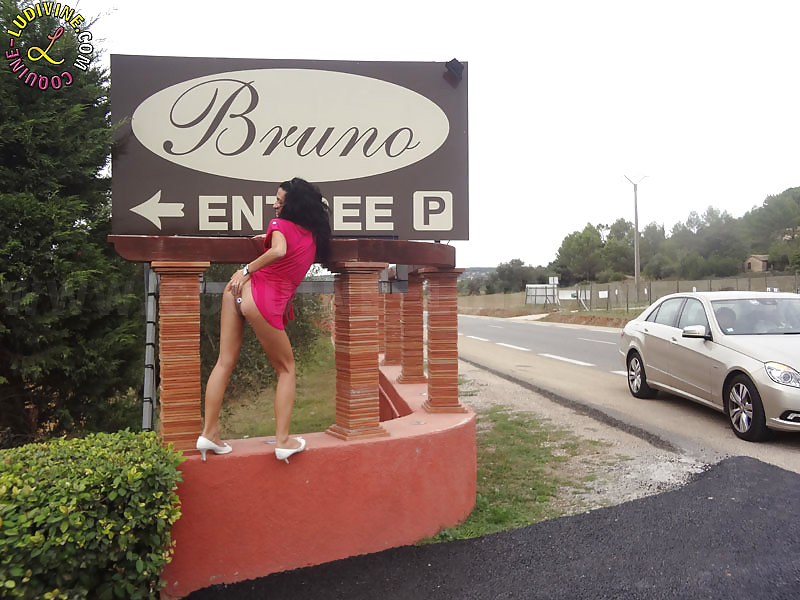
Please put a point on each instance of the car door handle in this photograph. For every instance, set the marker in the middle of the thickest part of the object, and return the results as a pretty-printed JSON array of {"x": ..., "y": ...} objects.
[{"x": 673, "y": 340}]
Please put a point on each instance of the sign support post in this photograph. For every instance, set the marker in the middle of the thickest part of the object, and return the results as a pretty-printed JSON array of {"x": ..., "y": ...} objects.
[
  {"x": 442, "y": 340},
  {"x": 356, "y": 323},
  {"x": 412, "y": 342},
  {"x": 149, "y": 395},
  {"x": 179, "y": 351}
]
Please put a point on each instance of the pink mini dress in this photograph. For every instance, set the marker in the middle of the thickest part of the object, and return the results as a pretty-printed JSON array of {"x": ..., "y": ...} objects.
[{"x": 274, "y": 285}]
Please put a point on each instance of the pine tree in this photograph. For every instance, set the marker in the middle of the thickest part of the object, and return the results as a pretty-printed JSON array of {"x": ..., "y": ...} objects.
[{"x": 70, "y": 314}]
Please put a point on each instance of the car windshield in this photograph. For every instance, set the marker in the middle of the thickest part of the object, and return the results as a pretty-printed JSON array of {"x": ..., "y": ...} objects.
[{"x": 758, "y": 316}]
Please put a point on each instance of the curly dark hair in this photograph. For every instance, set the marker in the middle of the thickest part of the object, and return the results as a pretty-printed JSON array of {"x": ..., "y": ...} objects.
[{"x": 304, "y": 207}]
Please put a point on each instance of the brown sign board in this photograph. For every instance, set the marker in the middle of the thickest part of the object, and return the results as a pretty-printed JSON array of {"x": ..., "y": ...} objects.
[{"x": 202, "y": 144}]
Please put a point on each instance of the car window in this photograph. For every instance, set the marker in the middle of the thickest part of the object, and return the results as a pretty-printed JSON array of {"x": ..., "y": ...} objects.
[
  {"x": 693, "y": 314},
  {"x": 758, "y": 316},
  {"x": 652, "y": 316},
  {"x": 727, "y": 314},
  {"x": 668, "y": 311}
]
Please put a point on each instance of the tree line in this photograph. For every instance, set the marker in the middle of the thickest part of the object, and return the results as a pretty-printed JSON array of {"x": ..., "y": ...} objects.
[{"x": 714, "y": 244}]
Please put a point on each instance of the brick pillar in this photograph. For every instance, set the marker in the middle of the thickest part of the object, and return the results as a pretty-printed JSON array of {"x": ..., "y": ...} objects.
[
  {"x": 393, "y": 329},
  {"x": 442, "y": 340},
  {"x": 356, "y": 326},
  {"x": 179, "y": 351},
  {"x": 412, "y": 333},
  {"x": 381, "y": 322}
]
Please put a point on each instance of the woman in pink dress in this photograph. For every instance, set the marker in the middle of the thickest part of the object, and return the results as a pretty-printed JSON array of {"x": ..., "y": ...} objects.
[{"x": 261, "y": 293}]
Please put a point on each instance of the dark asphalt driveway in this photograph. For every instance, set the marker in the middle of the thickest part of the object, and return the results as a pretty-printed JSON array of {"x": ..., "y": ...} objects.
[{"x": 732, "y": 533}]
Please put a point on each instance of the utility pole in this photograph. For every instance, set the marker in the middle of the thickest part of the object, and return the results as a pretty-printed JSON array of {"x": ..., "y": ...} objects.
[{"x": 636, "y": 236}]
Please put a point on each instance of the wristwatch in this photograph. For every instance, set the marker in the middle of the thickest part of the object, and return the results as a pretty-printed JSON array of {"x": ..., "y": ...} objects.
[{"x": 246, "y": 270}]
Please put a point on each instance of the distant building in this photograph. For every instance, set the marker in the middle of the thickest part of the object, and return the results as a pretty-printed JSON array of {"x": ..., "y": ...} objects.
[
  {"x": 475, "y": 272},
  {"x": 756, "y": 263}
]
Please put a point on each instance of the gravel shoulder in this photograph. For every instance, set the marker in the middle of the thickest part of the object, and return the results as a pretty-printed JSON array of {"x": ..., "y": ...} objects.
[{"x": 616, "y": 467}]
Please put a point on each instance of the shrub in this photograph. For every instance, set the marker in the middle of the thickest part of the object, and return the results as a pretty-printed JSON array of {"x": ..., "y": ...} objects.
[
  {"x": 87, "y": 518},
  {"x": 607, "y": 275}
]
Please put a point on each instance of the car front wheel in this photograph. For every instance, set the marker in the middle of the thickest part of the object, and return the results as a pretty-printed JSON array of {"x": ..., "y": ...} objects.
[
  {"x": 637, "y": 380},
  {"x": 745, "y": 410}
]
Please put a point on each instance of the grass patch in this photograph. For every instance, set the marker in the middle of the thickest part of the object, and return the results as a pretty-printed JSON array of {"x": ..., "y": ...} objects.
[
  {"x": 521, "y": 460},
  {"x": 252, "y": 414},
  {"x": 587, "y": 318},
  {"x": 518, "y": 464}
]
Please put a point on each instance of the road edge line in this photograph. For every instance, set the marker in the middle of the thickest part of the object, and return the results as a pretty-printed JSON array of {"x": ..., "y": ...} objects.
[{"x": 579, "y": 407}]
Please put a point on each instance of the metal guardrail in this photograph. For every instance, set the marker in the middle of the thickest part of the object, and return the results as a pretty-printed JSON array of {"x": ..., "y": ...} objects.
[{"x": 151, "y": 316}]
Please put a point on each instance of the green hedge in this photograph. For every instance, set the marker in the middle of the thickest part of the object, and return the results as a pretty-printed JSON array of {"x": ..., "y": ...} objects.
[{"x": 87, "y": 518}]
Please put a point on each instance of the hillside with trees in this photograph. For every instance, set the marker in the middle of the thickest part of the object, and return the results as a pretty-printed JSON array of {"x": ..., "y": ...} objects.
[{"x": 714, "y": 244}]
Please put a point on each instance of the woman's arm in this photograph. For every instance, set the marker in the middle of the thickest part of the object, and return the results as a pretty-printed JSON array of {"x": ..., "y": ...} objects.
[{"x": 276, "y": 251}]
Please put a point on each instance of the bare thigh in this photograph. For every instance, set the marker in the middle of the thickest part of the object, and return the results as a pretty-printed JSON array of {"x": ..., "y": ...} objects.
[
  {"x": 231, "y": 328},
  {"x": 274, "y": 341}
]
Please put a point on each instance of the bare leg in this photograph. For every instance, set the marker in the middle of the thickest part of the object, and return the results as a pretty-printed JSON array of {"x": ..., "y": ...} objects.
[
  {"x": 279, "y": 351},
  {"x": 231, "y": 328}
]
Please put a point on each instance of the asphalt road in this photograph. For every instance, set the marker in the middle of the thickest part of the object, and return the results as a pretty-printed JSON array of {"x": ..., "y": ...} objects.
[
  {"x": 581, "y": 368},
  {"x": 583, "y": 346},
  {"x": 731, "y": 534}
]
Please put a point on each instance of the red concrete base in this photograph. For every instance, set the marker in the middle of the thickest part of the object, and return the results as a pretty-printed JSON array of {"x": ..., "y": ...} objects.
[
  {"x": 246, "y": 515},
  {"x": 421, "y": 379},
  {"x": 450, "y": 408},
  {"x": 356, "y": 434}
]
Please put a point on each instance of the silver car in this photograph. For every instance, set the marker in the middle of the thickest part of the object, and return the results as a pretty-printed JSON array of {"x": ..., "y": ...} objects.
[{"x": 737, "y": 352}]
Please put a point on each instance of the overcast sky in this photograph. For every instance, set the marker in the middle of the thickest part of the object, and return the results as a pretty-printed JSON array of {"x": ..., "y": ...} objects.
[{"x": 565, "y": 98}]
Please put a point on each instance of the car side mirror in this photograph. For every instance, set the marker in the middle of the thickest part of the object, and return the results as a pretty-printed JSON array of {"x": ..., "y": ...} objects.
[{"x": 696, "y": 331}]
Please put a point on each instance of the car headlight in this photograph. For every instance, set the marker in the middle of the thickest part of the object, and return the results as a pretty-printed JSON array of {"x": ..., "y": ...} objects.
[{"x": 780, "y": 373}]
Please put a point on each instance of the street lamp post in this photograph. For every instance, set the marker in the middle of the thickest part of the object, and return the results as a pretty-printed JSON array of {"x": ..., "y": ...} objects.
[{"x": 636, "y": 236}]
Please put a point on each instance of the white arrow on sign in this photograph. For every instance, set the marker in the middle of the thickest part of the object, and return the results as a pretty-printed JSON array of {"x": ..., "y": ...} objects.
[{"x": 153, "y": 209}]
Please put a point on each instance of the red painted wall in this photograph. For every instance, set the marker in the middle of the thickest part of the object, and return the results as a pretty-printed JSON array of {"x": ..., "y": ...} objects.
[{"x": 245, "y": 514}]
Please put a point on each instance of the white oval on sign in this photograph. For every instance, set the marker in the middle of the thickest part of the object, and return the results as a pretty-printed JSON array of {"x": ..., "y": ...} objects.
[{"x": 273, "y": 124}]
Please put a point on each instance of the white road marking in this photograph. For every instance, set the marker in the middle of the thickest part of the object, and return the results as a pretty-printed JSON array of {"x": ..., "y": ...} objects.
[
  {"x": 475, "y": 337},
  {"x": 513, "y": 347},
  {"x": 623, "y": 373},
  {"x": 598, "y": 341},
  {"x": 569, "y": 360},
  {"x": 495, "y": 326}
]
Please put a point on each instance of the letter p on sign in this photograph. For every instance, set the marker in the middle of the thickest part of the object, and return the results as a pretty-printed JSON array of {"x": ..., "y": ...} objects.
[{"x": 433, "y": 211}]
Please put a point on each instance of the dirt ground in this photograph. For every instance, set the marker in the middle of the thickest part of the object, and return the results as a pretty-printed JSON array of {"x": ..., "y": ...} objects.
[
  {"x": 583, "y": 319},
  {"x": 618, "y": 468},
  {"x": 555, "y": 317}
]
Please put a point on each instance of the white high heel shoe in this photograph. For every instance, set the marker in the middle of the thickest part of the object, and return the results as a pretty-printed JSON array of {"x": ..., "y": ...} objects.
[
  {"x": 285, "y": 453},
  {"x": 205, "y": 444}
]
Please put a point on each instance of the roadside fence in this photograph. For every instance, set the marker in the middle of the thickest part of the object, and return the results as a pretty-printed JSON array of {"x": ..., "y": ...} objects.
[{"x": 622, "y": 295}]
